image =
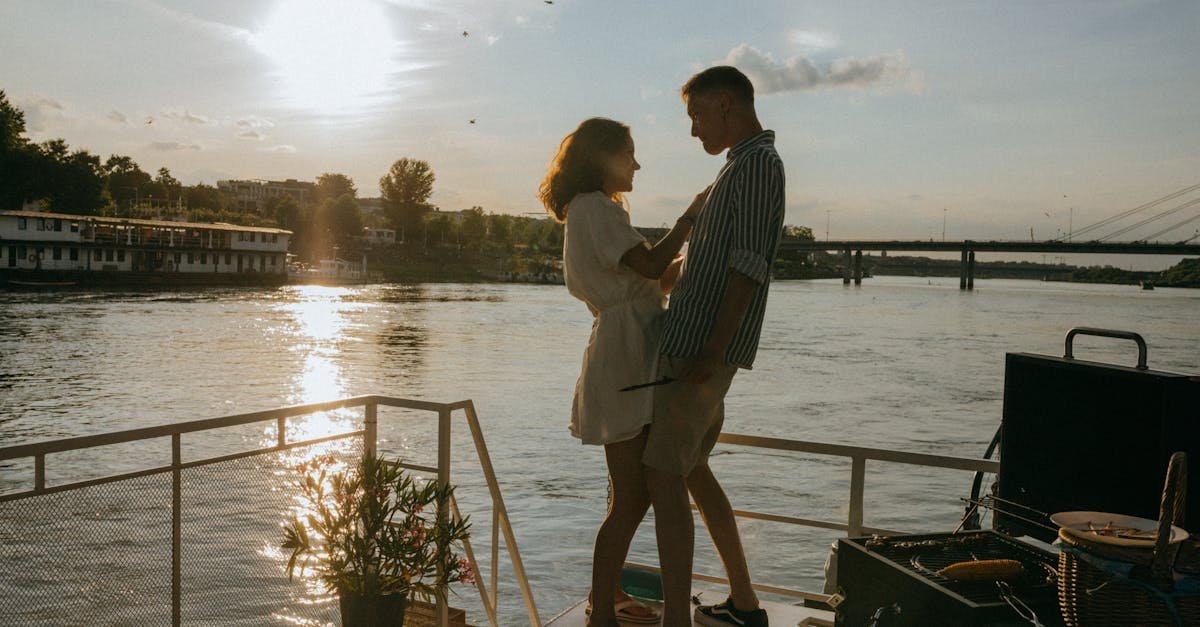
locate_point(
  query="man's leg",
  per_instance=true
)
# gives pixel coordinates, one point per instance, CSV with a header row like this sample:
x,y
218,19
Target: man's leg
x,y
718,517
675,532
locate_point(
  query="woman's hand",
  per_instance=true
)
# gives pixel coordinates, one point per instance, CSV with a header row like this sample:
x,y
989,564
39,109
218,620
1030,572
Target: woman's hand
x,y
670,275
697,204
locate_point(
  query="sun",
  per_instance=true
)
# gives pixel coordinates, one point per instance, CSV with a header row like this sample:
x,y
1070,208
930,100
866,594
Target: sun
x,y
329,57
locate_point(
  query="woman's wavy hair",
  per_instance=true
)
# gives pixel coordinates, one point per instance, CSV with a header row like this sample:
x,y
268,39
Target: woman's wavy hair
x,y
580,164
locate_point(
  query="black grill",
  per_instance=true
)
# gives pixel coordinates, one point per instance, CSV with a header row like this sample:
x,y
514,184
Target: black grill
x,y
894,581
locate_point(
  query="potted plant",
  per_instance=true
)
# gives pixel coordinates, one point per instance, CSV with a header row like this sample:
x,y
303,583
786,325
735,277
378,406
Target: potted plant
x,y
376,539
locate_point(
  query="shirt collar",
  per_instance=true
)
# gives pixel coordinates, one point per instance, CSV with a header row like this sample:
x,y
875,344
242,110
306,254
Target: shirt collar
x,y
762,138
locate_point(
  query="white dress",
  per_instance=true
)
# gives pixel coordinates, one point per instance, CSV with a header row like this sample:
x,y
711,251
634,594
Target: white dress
x,y
627,310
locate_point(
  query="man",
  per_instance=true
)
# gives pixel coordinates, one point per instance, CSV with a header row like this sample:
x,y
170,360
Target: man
x,y
711,330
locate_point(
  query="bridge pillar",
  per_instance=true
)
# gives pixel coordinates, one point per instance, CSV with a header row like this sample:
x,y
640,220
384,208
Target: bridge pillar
x,y
962,272
846,269
858,273
971,270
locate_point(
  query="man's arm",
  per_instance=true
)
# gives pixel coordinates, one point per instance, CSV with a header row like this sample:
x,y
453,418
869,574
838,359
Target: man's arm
x,y
739,292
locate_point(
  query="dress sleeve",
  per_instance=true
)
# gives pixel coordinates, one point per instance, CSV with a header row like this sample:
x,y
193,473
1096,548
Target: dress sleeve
x,y
611,233
757,200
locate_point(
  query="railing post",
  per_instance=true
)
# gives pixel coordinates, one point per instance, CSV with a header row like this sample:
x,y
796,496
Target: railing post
x,y
858,477
443,608
39,472
370,425
176,531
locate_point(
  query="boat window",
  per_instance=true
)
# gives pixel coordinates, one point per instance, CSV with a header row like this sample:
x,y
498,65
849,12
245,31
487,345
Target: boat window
x,y
99,255
22,224
191,258
57,253
74,254
108,254
121,255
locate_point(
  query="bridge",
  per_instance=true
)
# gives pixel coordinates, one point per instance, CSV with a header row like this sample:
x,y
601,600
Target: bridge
x,y
1149,244
853,251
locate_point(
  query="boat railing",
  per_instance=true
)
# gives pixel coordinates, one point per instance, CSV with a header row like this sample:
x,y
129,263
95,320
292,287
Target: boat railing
x,y
36,515
858,456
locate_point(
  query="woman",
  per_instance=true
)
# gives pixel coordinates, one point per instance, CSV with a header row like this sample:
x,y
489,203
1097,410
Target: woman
x,y
623,281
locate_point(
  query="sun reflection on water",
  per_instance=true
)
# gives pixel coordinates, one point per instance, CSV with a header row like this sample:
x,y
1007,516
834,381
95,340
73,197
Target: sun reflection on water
x,y
316,323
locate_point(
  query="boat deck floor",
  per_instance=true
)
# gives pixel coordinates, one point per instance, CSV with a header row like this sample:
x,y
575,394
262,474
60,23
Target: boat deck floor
x,y
781,614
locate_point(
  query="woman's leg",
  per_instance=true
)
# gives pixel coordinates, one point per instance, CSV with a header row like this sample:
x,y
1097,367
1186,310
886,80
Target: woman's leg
x,y
629,504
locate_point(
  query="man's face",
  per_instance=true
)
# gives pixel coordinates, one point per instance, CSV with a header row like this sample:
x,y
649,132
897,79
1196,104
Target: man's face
x,y
708,115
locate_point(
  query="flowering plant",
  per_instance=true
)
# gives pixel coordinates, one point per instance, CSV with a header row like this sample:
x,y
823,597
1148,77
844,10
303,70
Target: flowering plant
x,y
374,533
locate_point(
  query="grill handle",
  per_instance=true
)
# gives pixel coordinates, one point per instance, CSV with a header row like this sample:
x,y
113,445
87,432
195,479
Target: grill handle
x,y
1123,335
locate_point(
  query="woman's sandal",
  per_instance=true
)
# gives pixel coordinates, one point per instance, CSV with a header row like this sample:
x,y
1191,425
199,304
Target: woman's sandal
x,y
647,615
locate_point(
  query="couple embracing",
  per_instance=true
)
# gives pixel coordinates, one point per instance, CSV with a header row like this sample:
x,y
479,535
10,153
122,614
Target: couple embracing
x,y
657,438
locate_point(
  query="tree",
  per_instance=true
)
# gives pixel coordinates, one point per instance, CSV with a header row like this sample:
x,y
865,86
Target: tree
x,y
339,221
201,196
125,180
19,159
474,226
802,233
12,125
332,186
284,210
72,182
406,189
170,185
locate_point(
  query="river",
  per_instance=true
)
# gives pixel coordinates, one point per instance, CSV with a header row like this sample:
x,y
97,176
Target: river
x,y
905,363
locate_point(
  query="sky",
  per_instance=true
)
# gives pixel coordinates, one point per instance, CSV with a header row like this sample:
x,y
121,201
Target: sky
x,y
897,120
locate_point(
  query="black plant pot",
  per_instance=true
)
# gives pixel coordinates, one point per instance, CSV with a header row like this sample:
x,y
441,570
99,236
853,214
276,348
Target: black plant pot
x,y
372,611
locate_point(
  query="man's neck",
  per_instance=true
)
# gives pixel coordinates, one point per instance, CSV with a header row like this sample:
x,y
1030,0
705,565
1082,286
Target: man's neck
x,y
743,129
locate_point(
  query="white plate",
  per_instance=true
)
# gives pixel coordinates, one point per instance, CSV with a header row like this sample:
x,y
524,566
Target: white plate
x,y
1078,524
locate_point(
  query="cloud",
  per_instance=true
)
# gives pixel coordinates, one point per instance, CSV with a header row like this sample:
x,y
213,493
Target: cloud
x,y
186,117
40,111
116,116
250,135
813,40
173,146
280,149
883,71
492,39
253,121
217,29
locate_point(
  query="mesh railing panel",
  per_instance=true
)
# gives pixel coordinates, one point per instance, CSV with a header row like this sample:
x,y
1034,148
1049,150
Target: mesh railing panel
x,y
94,556
101,555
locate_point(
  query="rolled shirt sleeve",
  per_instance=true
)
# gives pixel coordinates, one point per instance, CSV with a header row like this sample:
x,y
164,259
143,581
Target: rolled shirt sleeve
x,y
756,220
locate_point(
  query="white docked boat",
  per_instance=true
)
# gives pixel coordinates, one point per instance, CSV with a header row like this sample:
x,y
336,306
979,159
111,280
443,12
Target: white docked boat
x,y
39,249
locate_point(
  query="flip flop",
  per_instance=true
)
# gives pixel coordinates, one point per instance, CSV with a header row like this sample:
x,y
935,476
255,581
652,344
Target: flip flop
x,y
625,616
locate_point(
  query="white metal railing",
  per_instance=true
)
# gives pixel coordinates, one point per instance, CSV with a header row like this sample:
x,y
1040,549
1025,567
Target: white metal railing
x,y
858,456
488,590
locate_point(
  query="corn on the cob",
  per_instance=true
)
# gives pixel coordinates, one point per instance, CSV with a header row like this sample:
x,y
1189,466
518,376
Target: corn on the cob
x,y
978,570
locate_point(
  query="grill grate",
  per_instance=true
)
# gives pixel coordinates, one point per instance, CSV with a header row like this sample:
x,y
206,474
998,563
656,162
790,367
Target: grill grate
x,y
926,555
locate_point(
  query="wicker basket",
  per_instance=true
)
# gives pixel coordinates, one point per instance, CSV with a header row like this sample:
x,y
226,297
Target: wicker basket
x,y
1100,585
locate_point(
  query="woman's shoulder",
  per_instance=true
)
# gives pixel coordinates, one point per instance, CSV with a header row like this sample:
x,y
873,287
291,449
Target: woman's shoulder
x,y
593,201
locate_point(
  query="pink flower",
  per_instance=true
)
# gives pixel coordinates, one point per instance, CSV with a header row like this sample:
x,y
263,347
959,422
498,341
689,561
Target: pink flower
x,y
466,574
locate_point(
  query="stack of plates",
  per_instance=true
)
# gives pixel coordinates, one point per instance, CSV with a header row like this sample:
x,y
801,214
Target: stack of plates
x,y
1113,529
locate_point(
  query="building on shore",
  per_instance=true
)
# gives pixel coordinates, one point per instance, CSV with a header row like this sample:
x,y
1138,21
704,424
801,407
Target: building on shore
x,y
252,195
93,249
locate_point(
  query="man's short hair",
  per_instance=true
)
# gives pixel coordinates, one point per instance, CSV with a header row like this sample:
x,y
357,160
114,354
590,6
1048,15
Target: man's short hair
x,y
720,78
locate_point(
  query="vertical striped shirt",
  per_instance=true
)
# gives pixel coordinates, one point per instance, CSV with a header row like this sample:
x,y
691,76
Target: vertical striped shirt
x,y
737,229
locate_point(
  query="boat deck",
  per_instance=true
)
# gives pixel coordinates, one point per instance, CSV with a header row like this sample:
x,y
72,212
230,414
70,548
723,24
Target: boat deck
x,y
780,613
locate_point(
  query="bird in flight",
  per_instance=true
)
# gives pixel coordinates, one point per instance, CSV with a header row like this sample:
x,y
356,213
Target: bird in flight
x,y
465,33
471,121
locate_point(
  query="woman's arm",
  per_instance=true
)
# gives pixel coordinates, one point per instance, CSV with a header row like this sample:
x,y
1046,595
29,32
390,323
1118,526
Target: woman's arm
x,y
652,261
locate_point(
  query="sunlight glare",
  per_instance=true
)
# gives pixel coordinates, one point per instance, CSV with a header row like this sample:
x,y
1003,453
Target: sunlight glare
x,y
331,57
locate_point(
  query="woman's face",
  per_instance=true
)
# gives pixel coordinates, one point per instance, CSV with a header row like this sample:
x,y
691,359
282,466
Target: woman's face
x,y
618,172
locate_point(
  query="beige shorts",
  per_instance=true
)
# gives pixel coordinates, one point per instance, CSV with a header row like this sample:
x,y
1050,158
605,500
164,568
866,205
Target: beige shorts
x,y
687,418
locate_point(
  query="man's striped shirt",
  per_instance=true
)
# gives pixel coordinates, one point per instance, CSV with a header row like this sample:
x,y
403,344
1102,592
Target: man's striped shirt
x,y
737,229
